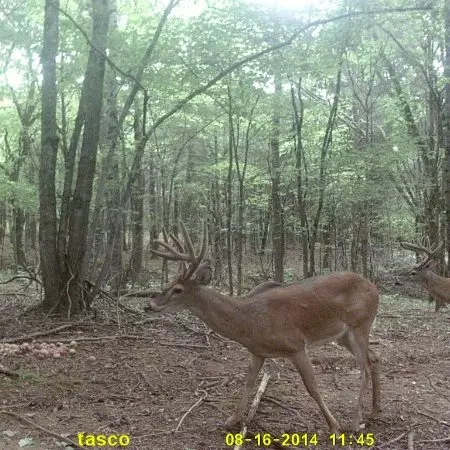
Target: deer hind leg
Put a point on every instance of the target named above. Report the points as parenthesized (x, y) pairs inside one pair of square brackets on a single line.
[(303, 365), (357, 343), (439, 303), (255, 366), (374, 363)]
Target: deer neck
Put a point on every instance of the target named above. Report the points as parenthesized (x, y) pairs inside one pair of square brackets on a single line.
[(225, 315), (427, 277)]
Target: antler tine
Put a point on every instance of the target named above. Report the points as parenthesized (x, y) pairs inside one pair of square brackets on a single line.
[(414, 247), (198, 259), (177, 242), (171, 253), (166, 236), (187, 239), (421, 248), (204, 244), (183, 265), (438, 248)]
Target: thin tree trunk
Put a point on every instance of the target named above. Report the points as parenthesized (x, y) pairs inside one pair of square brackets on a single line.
[(277, 208), (324, 154), (137, 208), (229, 210), (300, 166)]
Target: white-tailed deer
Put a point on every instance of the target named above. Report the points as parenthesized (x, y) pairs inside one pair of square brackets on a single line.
[(273, 321), (438, 287), (262, 287)]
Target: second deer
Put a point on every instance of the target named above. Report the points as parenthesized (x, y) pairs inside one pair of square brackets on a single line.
[(280, 322), (438, 287)]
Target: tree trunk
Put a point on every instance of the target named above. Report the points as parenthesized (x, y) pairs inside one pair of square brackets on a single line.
[(58, 280), (229, 209), (324, 154), (447, 129), (277, 208), (51, 270), (155, 225), (217, 214), (300, 166), (137, 208)]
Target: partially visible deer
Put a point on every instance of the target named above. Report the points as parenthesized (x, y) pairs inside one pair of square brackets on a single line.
[(262, 287), (438, 287), (280, 321)]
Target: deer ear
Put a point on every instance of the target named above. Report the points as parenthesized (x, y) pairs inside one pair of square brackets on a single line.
[(203, 274)]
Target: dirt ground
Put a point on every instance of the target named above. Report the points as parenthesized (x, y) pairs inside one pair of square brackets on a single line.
[(169, 383)]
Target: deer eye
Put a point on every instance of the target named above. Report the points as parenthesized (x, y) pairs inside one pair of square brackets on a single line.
[(177, 290)]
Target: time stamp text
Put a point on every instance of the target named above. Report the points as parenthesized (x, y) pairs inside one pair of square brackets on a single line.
[(301, 439), (261, 440)]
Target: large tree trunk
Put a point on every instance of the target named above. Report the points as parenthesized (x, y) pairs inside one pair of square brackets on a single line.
[(63, 279), (447, 128), (81, 200), (51, 271)]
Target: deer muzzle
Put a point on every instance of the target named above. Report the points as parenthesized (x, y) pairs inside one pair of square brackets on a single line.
[(153, 307)]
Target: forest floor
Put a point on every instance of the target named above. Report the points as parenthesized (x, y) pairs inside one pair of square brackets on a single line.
[(169, 383)]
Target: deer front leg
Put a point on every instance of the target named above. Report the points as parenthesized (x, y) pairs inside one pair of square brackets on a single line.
[(256, 363), (303, 364)]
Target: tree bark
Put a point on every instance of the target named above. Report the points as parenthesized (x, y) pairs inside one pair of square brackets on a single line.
[(446, 128), (324, 154), (137, 208), (51, 271), (300, 167), (277, 208), (64, 290)]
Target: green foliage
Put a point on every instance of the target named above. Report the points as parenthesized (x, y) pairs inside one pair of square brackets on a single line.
[(370, 148), (21, 194)]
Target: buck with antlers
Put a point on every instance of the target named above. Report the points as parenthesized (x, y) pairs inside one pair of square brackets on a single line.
[(280, 321), (438, 287)]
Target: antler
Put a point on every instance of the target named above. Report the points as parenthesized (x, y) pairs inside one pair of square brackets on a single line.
[(420, 248), (185, 255)]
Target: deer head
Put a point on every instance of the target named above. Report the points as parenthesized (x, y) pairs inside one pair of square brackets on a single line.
[(180, 293), (428, 263)]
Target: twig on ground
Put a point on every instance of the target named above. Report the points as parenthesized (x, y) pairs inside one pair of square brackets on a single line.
[(268, 398), (411, 440), (39, 427), (170, 344), (190, 409), (398, 438), (442, 422), (253, 408), (27, 337), (119, 304), (434, 441), (436, 390)]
